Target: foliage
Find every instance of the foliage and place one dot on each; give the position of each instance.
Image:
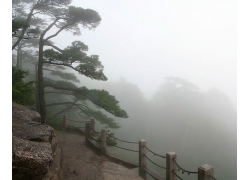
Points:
(100, 98)
(22, 93)
(88, 18)
(102, 118)
(109, 140)
(65, 75)
(17, 25)
(67, 18)
(89, 66)
(56, 123)
(32, 25)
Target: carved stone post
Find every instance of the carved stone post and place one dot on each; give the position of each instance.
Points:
(103, 142)
(171, 166)
(205, 172)
(142, 157)
(64, 125)
(87, 132)
(92, 123)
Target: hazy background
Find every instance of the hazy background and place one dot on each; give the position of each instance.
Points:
(147, 41)
(140, 44)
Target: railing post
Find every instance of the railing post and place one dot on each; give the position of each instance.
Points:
(87, 132)
(92, 122)
(171, 166)
(64, 125)
(103, 142)
(205, 172)
(142, 157)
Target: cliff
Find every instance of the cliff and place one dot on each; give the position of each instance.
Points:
(33, 145)
(37, 154)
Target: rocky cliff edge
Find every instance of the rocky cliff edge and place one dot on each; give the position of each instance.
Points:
(33, 145)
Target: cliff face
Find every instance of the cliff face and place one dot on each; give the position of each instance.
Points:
(33, 144)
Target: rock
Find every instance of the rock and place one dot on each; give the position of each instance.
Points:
(25, 125)
(31, 130)
(25, 113)
(30, 160)
(55, 172)
(54, 143)
(33, 144)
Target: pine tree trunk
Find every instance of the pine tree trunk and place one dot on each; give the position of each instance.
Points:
(36, 89)
(18, 57)
(24, 29)
(42, 108)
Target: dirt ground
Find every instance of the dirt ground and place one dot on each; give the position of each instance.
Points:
(82, 163)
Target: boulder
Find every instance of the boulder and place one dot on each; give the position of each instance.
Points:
(25, 113)
(33, 144)
(25, 125)
(31, 130)
(30, 160)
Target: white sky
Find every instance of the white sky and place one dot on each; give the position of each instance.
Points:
(145, 41)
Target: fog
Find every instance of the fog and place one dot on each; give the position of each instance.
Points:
(141, 44)
(147, 41)
(172, 67)
(201, 127)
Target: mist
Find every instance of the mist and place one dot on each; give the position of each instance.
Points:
(146, 41)
(201, 127)
(172, 67)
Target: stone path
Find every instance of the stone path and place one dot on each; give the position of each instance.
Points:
(83, 163)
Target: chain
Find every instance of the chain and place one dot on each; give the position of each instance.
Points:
(154, 152)
(126, 149)
(183, 170)
(177, 175)
(122, 140)
(153, 162)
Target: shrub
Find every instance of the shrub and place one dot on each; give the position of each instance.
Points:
(22, 92)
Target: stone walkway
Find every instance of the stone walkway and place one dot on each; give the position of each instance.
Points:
(83, 163)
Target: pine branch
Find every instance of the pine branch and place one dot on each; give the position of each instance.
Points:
(57, 104)
(63, 64)
(55, 47)
(62, 111)
(62, 28)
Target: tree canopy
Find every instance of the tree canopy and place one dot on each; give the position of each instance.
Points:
(55, 61)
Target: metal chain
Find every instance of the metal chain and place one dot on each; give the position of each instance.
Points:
(154, 152)
(183, 170)
(126, 149)
(153, 162)
(177, 175)
(122, 140)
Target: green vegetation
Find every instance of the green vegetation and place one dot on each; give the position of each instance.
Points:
(22, 92)
(56, 89)
(56, 123)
